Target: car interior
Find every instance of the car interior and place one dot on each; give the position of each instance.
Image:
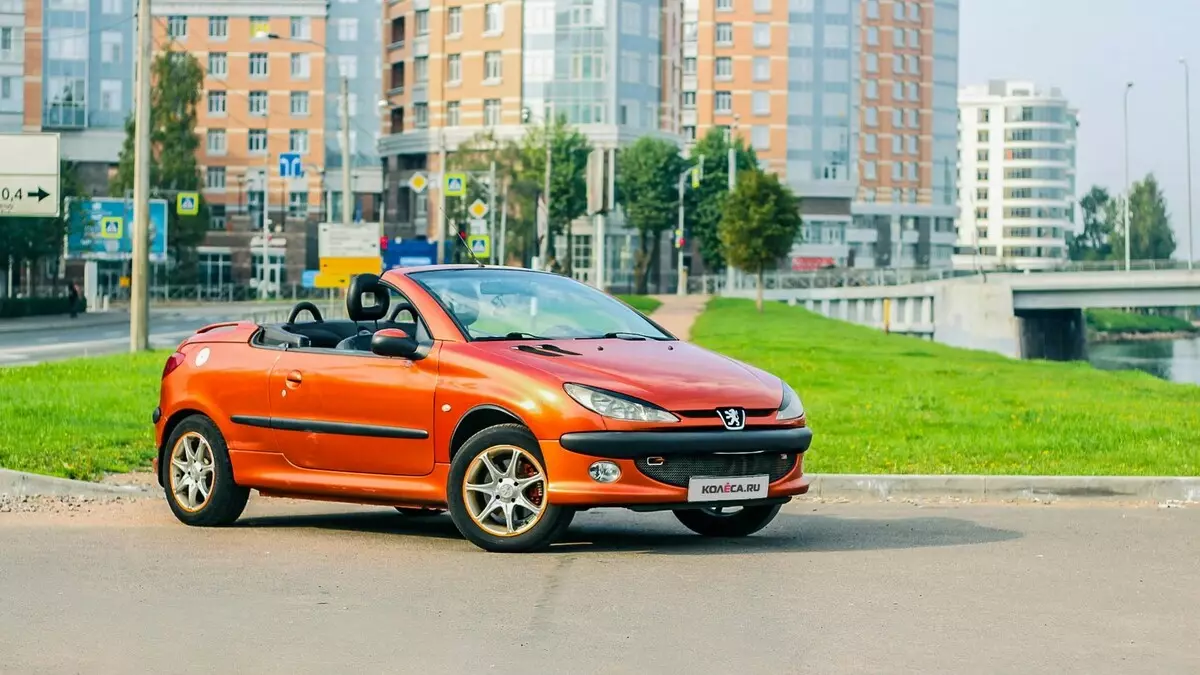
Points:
(371, 306)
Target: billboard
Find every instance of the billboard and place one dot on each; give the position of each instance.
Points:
(810, 264)
(101, 228)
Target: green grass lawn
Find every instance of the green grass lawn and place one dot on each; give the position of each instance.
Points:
(1117, 321)
(642, 303)
(81, 417)
(890, 404)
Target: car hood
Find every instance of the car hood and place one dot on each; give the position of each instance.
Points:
(674, 375)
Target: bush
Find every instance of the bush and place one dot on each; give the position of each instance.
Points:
(1117, 321)
(17, 307)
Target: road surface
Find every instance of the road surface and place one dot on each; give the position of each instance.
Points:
(828, 588)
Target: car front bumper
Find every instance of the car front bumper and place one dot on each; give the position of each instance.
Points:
(569, 457)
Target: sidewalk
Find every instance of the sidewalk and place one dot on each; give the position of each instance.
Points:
(678, 313)
(61, 321)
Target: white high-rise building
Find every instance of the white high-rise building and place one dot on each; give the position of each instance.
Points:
(1016, 175)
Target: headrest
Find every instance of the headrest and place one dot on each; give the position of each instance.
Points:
(367, 299)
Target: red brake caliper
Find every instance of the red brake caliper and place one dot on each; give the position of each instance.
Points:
(535, 495)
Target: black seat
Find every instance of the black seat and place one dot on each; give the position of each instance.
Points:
(364, 288)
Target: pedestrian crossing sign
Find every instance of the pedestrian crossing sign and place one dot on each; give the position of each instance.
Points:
(187, 204)
(480, 245)
(112, 227)
(456, 184)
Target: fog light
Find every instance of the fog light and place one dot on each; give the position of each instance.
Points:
(604, 472)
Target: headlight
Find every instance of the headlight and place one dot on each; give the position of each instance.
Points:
(790, 408)
(616, 406)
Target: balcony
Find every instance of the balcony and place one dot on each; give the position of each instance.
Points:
(395, 46)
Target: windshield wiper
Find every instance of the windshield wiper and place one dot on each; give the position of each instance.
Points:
(515, 335)
(622, 335)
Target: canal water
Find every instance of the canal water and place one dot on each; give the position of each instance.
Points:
(1174, 360)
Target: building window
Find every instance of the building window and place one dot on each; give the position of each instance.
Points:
(218, 64)
(761, 103)
(421, 70)
(300, 66)
(872, 144)
(897, 171)
(218, 27)
(110, 95)
(762, 35)
(298, 141)
(298, 204)
(110, 44)
(256, 141)
(872, 35)
(421, 115)
(491, 66)
(258, 64)
(762, 69)
(177, 27)
(215, 142)
(724, 102)
(347, 30)
(897, 145)
(491, 112)
(689, 100)
(897, 64)
(872, 9)
(493, 18)
(984, 115)
(258, 103)
(760, 137)
(216, 103)
(914, 11)
(724, 5)
(869, 170)
(298, 103)
(421, 23)
(897, 10)
(914, 38)
(454, 21)
(260, 26)
(453, 114)
(872, 89)
(725, 34)
(724, 67)
(872, 63)
(631, 18)
(912, 145)
(106, 7)
(983, 136)
(689, 133)
(762, 6)
(300, 28)
(214, 178)
(872, 117)
(631, 66)
(897, 38)
(689, 31)
(454, 68)
(689, 65)
(914, 118)
(897, 91)
(912, 170)
(914, 65)
(914, 93)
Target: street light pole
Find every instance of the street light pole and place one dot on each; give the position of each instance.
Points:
(1128, 189)
(347, 194)
(1187, 118)
(139, 297)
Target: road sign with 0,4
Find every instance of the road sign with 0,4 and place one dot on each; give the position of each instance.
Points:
(187, 203)
(480, 245)
(456, 184)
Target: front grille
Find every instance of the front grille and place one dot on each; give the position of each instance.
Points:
(712, 412)
(677, 470)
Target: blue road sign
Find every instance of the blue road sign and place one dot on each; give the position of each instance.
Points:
(290, 165)
(101, 228)
(309, 278)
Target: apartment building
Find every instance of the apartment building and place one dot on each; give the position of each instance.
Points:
(353, 40)
(455, 69)
(905, 206)
(1017, 150)
(12, 65)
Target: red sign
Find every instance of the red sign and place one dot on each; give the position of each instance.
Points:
(810, 264)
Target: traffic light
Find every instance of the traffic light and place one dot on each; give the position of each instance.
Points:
(679, 238)
(383, 242)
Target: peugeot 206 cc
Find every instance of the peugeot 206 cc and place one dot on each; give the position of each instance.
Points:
(508, 397)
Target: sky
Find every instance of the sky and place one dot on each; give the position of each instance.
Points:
(1090, 49)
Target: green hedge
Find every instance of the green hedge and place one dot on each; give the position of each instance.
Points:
(16, 307)
(1117, 321)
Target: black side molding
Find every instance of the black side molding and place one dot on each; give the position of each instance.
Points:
(337, 428)
(632, 444)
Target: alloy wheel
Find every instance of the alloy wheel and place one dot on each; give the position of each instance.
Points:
(505, 490)
(193, 471)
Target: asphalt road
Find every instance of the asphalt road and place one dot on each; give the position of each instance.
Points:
(829, 588)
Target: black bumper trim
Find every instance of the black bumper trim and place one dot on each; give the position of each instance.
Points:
(322, 427)
(633, 444)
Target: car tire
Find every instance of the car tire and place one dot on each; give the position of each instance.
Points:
(412, 512)
(534, 530)
(742, 523)
(196, 459)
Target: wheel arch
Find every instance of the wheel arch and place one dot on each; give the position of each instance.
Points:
(479, 418)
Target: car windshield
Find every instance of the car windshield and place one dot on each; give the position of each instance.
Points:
(493, 304)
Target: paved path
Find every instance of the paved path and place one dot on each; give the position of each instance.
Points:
(678, 313)
(302, 588)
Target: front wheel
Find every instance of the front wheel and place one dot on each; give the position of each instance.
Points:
(497, 492)
(724, 521)
(199, 482)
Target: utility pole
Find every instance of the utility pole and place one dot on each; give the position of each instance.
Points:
(492, 211)
(441, 204)
(1187, 117)
(544, 245)
(730, 271)
(1128, 187)
(139, 297)
(681, 285)
(347, 193)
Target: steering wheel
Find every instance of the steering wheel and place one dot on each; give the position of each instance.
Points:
(400, 307)
(305, 306)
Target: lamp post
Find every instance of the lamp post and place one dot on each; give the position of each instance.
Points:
(139, 291)
(1128, 188)
(1187, 118)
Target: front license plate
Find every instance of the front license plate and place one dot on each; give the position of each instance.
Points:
(717, 489)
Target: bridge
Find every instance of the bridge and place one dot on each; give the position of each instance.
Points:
(1022, 315)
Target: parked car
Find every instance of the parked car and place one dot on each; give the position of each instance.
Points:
(511, 398)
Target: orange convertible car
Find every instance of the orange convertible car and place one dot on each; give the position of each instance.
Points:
(509, 397)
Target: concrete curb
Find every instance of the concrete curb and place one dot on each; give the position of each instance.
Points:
(1009, 488)
(22, 484)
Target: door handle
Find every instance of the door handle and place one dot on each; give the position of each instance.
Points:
(294, 379)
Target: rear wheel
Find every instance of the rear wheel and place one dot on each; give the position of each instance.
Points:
(199, 476)
(497, 492)
(728, 521)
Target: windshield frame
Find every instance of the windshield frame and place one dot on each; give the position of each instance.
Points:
(416, 278)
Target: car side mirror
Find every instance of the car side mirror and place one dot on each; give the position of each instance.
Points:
(393, 342)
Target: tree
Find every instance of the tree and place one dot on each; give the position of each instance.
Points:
(1149, 227)
(569, 150)
(177, 78)
(759, 223)
(704, 205)
(646, 174)
(1094, 242)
